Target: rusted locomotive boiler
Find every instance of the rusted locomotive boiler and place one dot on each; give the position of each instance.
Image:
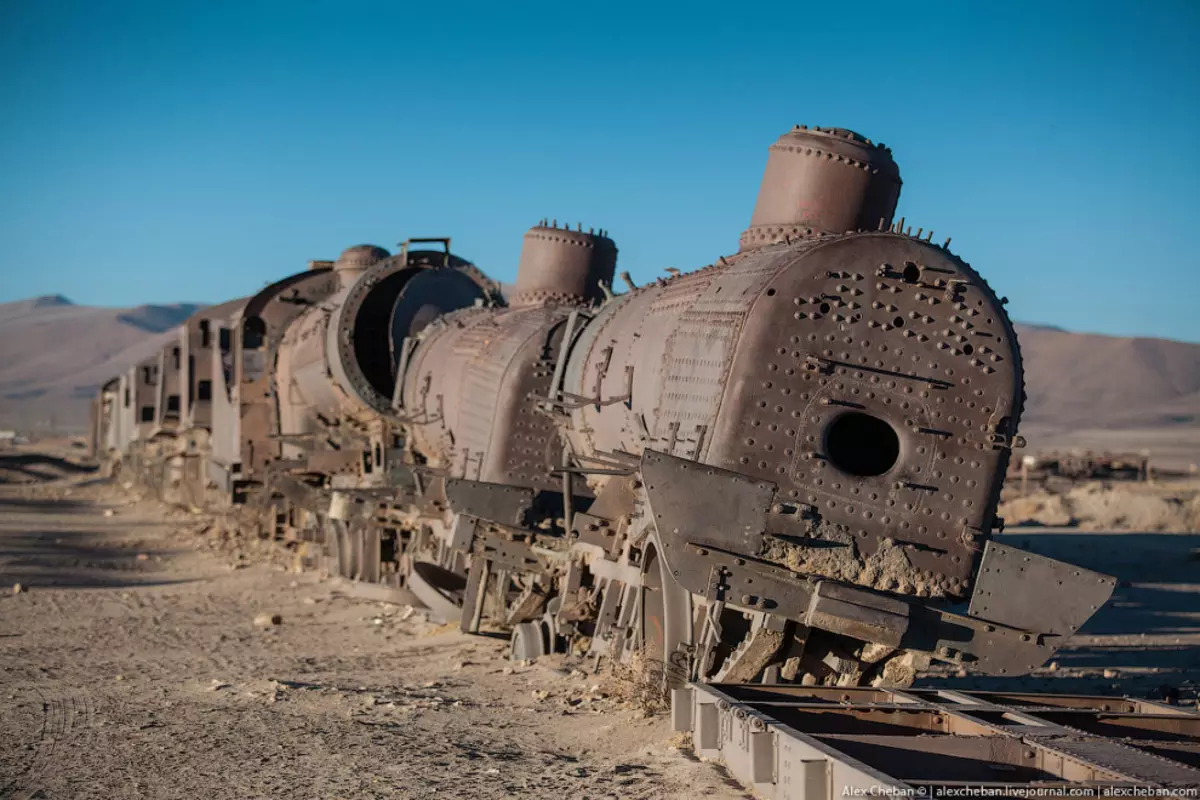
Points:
(783, 466)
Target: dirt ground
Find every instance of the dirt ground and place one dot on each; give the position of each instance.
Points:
(139, 659)
(1161, 506)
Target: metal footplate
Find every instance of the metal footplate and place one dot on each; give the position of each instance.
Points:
(712, 522)
(816, 743)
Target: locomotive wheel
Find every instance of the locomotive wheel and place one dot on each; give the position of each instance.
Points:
(439, 589)
(370, 546)
(337, 548)
(529, 641)
(665, 634)
(356, 539)
(348, 554)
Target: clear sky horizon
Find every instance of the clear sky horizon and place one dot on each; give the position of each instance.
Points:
(181, 151)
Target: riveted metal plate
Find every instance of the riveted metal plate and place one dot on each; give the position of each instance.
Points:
(862, 615)
(705, 506)
(878, 381)
(1034, 593)
(491, 501)
(746, 582)
(501, 552)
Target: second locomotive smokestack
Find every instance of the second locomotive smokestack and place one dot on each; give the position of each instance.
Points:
(355, 260)
(823, 180)
(564, 265)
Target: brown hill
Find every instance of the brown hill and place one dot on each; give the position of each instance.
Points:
(1107, 381)
(1085, 390)
(1112, 393)
(53, 355)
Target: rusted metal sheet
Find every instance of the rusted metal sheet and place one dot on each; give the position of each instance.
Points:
(257, 337)
(1010, 591)
(884, 401)
(170, 391)
(564, 265)
(802, 743)
(823, 181)
(337, 363)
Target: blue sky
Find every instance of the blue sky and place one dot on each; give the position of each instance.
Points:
(160, 152)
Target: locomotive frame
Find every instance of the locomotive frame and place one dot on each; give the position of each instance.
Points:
(782, 467)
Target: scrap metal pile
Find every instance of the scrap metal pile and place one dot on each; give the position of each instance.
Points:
(1083, 466)
(782, 467)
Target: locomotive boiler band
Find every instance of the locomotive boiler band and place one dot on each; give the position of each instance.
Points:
(782, 467)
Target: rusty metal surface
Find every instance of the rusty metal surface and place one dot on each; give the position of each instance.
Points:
(472, 391)
(1009, 591)
(439, 589)
(255, 339)
(337, 362)
(201, 347)
(496, 502)
(823, 180)
(354, 261)
(878, 380)
(698, 508)
(363, 366)
(172, 370)
(144, 378)
(783, 466)
(564, 265)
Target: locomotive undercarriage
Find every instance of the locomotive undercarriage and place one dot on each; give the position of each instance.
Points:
(658, 571)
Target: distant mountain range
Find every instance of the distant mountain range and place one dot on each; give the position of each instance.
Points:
(54, 354)
(1085, 390)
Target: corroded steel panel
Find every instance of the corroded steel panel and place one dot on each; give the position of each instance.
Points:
(256, 340)
(820, 181)
(476, 391)
(201, 345)
(564, 265)
(878, 380)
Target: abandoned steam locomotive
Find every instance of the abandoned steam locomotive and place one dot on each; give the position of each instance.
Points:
(782, 467)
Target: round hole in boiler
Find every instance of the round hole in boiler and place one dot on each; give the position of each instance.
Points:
(912, 273)
(863, 445)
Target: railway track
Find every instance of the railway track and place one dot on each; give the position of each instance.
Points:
(815, 743)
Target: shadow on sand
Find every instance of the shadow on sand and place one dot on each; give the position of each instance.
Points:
(38, 467)
(65, 543)
(74, 559)
(1151, 621)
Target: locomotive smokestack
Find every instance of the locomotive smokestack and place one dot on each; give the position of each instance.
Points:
(823, 180)
(354, 261)
(558, 264)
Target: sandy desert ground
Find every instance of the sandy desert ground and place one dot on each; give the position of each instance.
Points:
(140, 659)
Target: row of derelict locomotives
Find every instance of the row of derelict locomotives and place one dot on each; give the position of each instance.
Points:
(780, 468)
